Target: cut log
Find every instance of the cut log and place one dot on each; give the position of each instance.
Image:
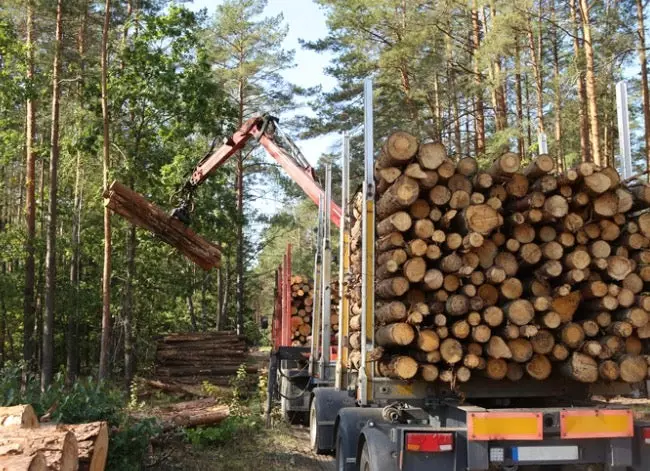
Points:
(429, 373)
(451, 351)
(399, 221)
(581, 367)
(497, 348)
(633, 368)
(401, 194)
(521, 349)
(415, 269)
(394, 311)
(140, 212)
(609, 370)
(539, 367)
(431, 155)
(507, 164)
(33, 462)
(92, 441)
(496, 368)
(395, 334)
(427, 340)
(479, 218)
(572, 335)
(398, 150)
(398, 367)
(22, 416)
(519, 312)
(392, 287)
(59, 448)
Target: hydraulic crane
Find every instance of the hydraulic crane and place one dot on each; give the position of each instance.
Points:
(264, 129)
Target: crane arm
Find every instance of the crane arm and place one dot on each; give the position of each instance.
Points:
(264, 130)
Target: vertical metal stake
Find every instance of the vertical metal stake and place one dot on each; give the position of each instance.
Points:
(327, 279)
(344, 264)
(316, 314)
(542, 143)
(623, 128)
(368, 252)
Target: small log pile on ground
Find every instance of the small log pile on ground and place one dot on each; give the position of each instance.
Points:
(302, 307)
(507, 272)
(25, 444)
(194, 357)
(188, 414)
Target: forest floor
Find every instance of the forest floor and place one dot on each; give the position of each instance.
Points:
(281, 448)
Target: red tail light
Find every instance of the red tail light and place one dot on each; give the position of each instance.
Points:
(429, 442)
(646, 435)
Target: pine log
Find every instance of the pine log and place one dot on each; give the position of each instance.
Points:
(431, 155)
(539, 367)
(451, 351)
(399, 221)
(429, 373)
(398, 367)
(427, 340)
(609, 370)
(394, 311)
(33, 462)
(496, 368)
(59, 448)
(633, 368)
(395, 334)
(92, 441)
(398, 150)
(21, 416)
(506, 164)
(140, 212)
(581, 367)
(392, 287)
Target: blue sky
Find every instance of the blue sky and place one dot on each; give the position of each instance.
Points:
(306, 21)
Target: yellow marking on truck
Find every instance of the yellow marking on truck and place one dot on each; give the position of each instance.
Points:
(404, 390)
(596, 424)
(504, 426)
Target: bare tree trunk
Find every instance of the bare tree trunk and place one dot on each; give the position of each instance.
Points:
(104, 355)
(519, 100)
(537, 72)
(204, 301)
(644, 80)
(239, 187)
(501, 110)
(529, 131)
(480, 112)
(437, 106)
(127, 311)
(592, 103)
(47, 372)
(559, 151)
(29, 300)
(585, 155)
(73, 315)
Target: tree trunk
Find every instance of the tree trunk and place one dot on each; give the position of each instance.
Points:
(47, 372)
(29, 306)
(644, 78)
(537, 72)
(479, 112)
(591, 92)
(128, 308)
(559, 152)
(519, 100)
(582, 100)
(73, 315)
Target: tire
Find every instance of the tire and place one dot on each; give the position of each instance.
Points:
(365, 464)
(338, 454)
(313, 430)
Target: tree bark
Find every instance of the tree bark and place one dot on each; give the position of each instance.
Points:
(47, 372)
(557, 98)
(591, 92)
(29, 300)
(104, 355)
(537, 72)
(128, 309)
(582, 100)
(644, 78)
(479, 112)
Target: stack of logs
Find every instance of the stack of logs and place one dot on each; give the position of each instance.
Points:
(30, 446)
(194, 357)
(302, 306)
(509, 272)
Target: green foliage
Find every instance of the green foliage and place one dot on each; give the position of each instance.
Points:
(227, 431)
(130, 444)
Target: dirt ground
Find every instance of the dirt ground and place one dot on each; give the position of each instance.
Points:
(279, 449)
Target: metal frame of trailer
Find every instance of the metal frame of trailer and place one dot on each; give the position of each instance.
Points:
(380, 424)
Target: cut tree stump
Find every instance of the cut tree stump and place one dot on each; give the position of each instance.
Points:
(138, 211)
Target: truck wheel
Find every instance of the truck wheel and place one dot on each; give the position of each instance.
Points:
(368, 464)
(365, 464)
(339, 458)
(313, 430)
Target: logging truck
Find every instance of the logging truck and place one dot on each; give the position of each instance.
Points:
(482, 313)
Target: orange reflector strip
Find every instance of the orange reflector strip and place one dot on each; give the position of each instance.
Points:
(504, 426)
(596, 423)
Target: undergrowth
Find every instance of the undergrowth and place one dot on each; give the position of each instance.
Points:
(85, 401)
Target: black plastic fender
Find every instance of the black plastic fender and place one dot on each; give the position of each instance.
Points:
(382, 450)
(349, 425)
(328, 402)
